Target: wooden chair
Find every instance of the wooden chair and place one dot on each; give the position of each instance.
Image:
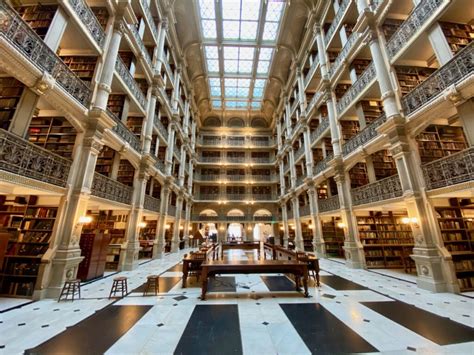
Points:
(195, 266)
(119, 286)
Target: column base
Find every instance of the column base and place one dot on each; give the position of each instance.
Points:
(429, 267)
(158, 250)
(64, 266)
(355, 257)
(319, 248)
(129, 257)
(285, 242)
(174, 246)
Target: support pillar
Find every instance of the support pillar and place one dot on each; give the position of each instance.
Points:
(319, 246)
(159, 242)
(286, 229)
(299, 243)
(175, 238)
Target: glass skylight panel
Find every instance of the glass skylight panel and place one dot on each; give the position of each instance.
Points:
(231, 52)
(217, 103)
(230, 104)
(215, 91)
(241, 104)
(259, 83)
(250, 10)
(231, 66)
(257, 92)
(230, 91)
(215, 82)
(247, 53)
(262, 67)
(209, 29)
(243, 83)
(256, 104)
(274, 11)
(207, 9)
(211, 52)
(230, 82)
(231, 9)
(265, 53)
(231, 29)
(242, 92)
(248, 30)
(245, 66)
(213, 65)
(270, 31)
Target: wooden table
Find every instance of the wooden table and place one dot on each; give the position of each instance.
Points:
(298, 269)
(241, 246)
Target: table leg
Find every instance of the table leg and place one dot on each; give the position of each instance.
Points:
(185, 274)
(204, 283)
(305, 282)
(297, 281)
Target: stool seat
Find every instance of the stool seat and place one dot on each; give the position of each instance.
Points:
(152, 283)
(119, 285)
(70, 288)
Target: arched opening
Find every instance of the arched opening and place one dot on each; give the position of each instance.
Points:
(262, 232)
(234, 232)
(235, 213)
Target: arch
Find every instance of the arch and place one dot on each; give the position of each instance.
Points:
(212, 122)
(208, 212)
(259, 122)
(235, 213)
(236, 122)
(262, 212)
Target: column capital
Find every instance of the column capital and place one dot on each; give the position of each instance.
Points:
(120, 25)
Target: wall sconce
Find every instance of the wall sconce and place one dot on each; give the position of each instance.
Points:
(341, 225)
(310, 226)
(167, 226)
(142, 224)
(190, 228)
(412, 220)
(84, 220)
(181, 228)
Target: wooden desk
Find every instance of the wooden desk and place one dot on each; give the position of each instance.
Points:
(191, 264)
(241, 246)
(298, 269)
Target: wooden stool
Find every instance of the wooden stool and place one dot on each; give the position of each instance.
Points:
(70, 288)
(152, 283)
(119, 285)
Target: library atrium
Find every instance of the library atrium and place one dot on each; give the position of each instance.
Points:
(236, 176)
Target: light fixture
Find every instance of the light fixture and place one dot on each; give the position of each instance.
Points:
(167, 226)
(84, 220)
(181, 228)
(310, 226)
(410, 220)
(282, 228)
(340, 225)
(142, 224)
(190, 228)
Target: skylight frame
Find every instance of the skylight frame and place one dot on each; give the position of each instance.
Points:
(255, 67)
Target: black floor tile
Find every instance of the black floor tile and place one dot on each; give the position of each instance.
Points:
(440, 330)
(278, 283)
(177, 267)
(95, 334)
(222, 284)
(340, 284)
(322, 332)
(166, 284)
(212, 329)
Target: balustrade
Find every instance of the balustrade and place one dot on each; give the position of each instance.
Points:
(139, 41)
(323, 125)
(149, 18)
(322, 165)
(453, 169)
(344, 52)
(364, 136)
(124, 132)
(151, 203)
(329, 204)
(380, 190)
(89, 20)
(130, 82)
(305, 211)
(109, 189)
(337, 19)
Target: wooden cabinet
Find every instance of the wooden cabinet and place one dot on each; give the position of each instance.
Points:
(94, 245)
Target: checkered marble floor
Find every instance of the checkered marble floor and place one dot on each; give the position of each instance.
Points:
(251, 319)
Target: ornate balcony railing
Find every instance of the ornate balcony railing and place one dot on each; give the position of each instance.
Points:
(305, 211)
(20, 157)
(143, 50)
(323, 125)
(294, 105)
(210, 159)
(454, 71)
(234, 177)
(177, 152)
(313, 101)
(160, 127)
(344, 52)
(160, 165)
(151, 203)
(233, 218)
(269, 178)
(210, 197)
(361, 84)
(290, 214)
(130, 82)
(20, 35)
(260, 161)
(149, 18)
(453, 169)
(171, 210)
(299, 153)
(381, 190)
(109, 189)
(235, 159)
(89, 20)
(364, 136)
(299, 181)
(286, 167)
(206, 177)
(335, 22)
(311, 71)
(322, 165)
(329, 204)
(124, 132)
(417, 18)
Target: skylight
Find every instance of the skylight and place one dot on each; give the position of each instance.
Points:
(239, 38)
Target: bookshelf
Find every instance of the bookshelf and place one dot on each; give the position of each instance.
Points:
(38, 17)
(126, 173)
(105, 161)
(372, 109)
(307, 233)
(438, 141)
(135, 125)
(384, 164)
(458, 35)
(115, 104)
(349, 129)
(94, 247)
(390, 26)
(333, 237)
(456, 223)
(410, 77)
(102, 15)
(146, 238)
(341, 89)
(317, 155)
(82, 66)
(358, 175)
(359, 65)
(10, 93)
(30, 226)
(387, 241)
(55, 134)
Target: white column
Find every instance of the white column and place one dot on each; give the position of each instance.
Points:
(175, 239)
(149, 122)
(319, 246)
(286, 230)
(159, 242)
(299, 244)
